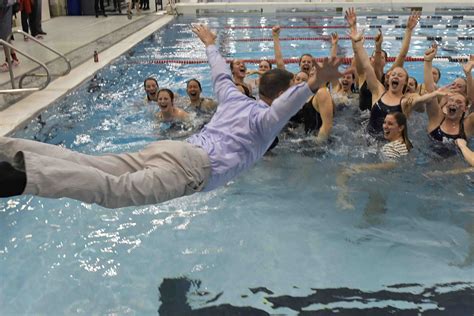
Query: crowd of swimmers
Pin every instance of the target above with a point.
(390, 96)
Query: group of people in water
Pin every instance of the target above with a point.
(247, 117)
(390, 96)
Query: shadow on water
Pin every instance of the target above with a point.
(456, 298)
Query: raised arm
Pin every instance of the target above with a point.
(466, 152)
(432, 107)
(411, 24)
(467, 67)
(378, 55)
(373, 83)
(277, 47)
(334, 40)
(323, 101)
(351, 19)
(222, 81)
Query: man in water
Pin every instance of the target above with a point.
(240, 132)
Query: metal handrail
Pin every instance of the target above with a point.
(68, 63)
(8, 47)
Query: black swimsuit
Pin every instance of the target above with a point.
(444, 144)
(365, 96)
(377, 115)
(439, 135)
(308, 116)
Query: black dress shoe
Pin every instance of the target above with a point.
(42, 33)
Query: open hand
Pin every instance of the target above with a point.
(413, 19)
(205, 34)
(325, 72)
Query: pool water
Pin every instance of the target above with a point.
(273, 241)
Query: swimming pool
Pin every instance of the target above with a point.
(274, 240)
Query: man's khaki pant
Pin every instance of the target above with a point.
(164, 170)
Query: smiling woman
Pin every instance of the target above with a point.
(168, 112)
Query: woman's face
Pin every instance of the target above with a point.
(193, 90)
(459, 85)
(391, 130)
(301, 77)
(411, 88)
(306, 63)
(151, 88)
(238, 68)
(455, 107)
(397, 80)
(346, 82)
(435, 74)
(264, 66)
(164, 102)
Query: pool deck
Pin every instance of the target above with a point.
(60, 30)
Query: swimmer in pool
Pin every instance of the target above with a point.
(263, 67)
(395, 131)
(196, 101)
(306, 61)
(451, 121)
(151, 87)
(386, 101)
(238, 135)
(168, 111)
(378, 61)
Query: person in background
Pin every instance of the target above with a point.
(151, 87)
(395, 131)
(131, 4)
(5, 31)
(26, 7)
(36, 18)
(198, 103)
(99, 3)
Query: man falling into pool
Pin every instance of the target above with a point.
(239, 133)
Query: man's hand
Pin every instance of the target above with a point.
(326, 71)
(205, 34)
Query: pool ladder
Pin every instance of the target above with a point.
(8, 48)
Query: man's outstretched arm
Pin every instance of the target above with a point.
(221, 76)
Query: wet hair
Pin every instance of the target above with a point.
(196, 81)
(170, 93)
(269, 63)
(416, 82)
(152, 79)
(273, 82)
(402, 121)
(439, 72)
(309, 55)
(383, 51)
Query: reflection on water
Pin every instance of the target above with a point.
(399, 299)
